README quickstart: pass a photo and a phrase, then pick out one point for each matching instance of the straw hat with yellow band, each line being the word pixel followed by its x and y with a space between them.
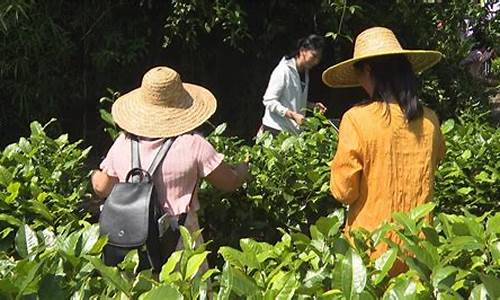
pixel 373 42
pixel 163 106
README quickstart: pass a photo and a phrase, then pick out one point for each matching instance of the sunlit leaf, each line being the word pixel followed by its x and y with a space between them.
pixel 492 285
pixel 479 293
pixel 194 263
pixel 447 126
pixel 422 210
pixel 403 289
pixel 349 275
pixel 162 292
pixel 383 264
pixel 170 265
pixel 13 189
pixel 220 129
pixel 26 241
pixel 238 282
pixel 11 220
pixel 493 224
pixel 187 241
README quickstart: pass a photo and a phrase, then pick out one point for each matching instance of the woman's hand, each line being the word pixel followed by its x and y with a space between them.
pixel 228 178
pixel 298 118
pixel 243 170
pixel 318 105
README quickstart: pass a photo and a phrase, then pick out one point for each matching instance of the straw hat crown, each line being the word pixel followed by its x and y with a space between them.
pixel 163 86
pixel 163 106
pixel 373 42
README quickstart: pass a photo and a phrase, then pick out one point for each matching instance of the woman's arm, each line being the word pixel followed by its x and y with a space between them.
pixel 102 183
pixel 347 165
pixel 228 178
pixel 274 91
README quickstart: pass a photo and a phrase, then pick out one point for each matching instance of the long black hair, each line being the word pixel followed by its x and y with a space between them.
pixel 394 79
pixel 310 42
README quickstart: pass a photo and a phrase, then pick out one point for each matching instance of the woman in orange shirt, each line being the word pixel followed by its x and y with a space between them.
pixel 389 147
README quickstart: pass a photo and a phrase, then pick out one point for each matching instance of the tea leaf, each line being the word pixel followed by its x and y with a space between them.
pixel 170 265
pixel 350 275
pixel 165 291
pixel 26 241
pixel 112 275
pixel 194 263
pixel 384 263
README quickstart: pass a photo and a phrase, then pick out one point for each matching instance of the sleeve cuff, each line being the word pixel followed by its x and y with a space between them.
pixel 281 110
pixel 212 164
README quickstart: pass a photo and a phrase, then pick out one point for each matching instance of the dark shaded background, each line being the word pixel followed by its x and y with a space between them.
pixel 58 58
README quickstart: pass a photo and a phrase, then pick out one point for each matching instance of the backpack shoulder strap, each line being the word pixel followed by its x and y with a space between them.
pixel 135 157
pixel 136 162
pixel 162 152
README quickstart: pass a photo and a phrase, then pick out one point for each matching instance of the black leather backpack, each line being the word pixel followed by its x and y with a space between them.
pixel 133 218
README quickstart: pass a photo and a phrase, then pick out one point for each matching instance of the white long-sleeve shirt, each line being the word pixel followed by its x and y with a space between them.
pixel 283 93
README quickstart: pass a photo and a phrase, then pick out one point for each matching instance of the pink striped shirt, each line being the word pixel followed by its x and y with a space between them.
pixel 190 158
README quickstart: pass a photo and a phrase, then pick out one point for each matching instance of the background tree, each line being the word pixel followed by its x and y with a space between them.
pixel 57 58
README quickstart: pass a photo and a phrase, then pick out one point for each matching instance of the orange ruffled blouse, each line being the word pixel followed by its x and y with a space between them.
pixel 383 163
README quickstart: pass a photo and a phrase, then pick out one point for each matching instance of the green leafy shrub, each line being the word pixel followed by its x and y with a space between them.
pixel 289 188
pixel 469 177
pixel 41 182
pixel 68 265
pixel 456 258
pixel 495 68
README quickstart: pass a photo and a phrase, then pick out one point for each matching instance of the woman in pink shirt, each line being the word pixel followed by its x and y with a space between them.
pixel 164 107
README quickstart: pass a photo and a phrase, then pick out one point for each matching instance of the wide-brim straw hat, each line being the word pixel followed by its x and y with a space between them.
pixel 163 106
pixel 373 42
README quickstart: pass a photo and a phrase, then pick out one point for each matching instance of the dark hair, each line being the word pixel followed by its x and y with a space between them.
pixel 394 79
pixel 311 42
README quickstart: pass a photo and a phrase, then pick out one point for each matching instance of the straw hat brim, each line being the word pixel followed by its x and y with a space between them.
pixel 343 74
pixel 155 121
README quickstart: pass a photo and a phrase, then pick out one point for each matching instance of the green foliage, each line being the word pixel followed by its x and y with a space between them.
pixel 47 255
pixel 110 126
pixel 461 261
pixel 186 269
pixel 56 57
pixel 455 257
pixel 189 18
pixel 469 177
pixel 289 186
pixel 57 266
pixel 495 68
pixel 68 265
pixel 41 181
pixel 337 13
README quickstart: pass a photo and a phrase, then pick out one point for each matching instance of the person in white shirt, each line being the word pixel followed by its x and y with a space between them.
pixel 285 99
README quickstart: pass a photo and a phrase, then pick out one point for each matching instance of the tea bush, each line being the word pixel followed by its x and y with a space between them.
pixel 41 182
pixel 469 176
pixel 259 237
pixel 456 257
pixel 289 189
